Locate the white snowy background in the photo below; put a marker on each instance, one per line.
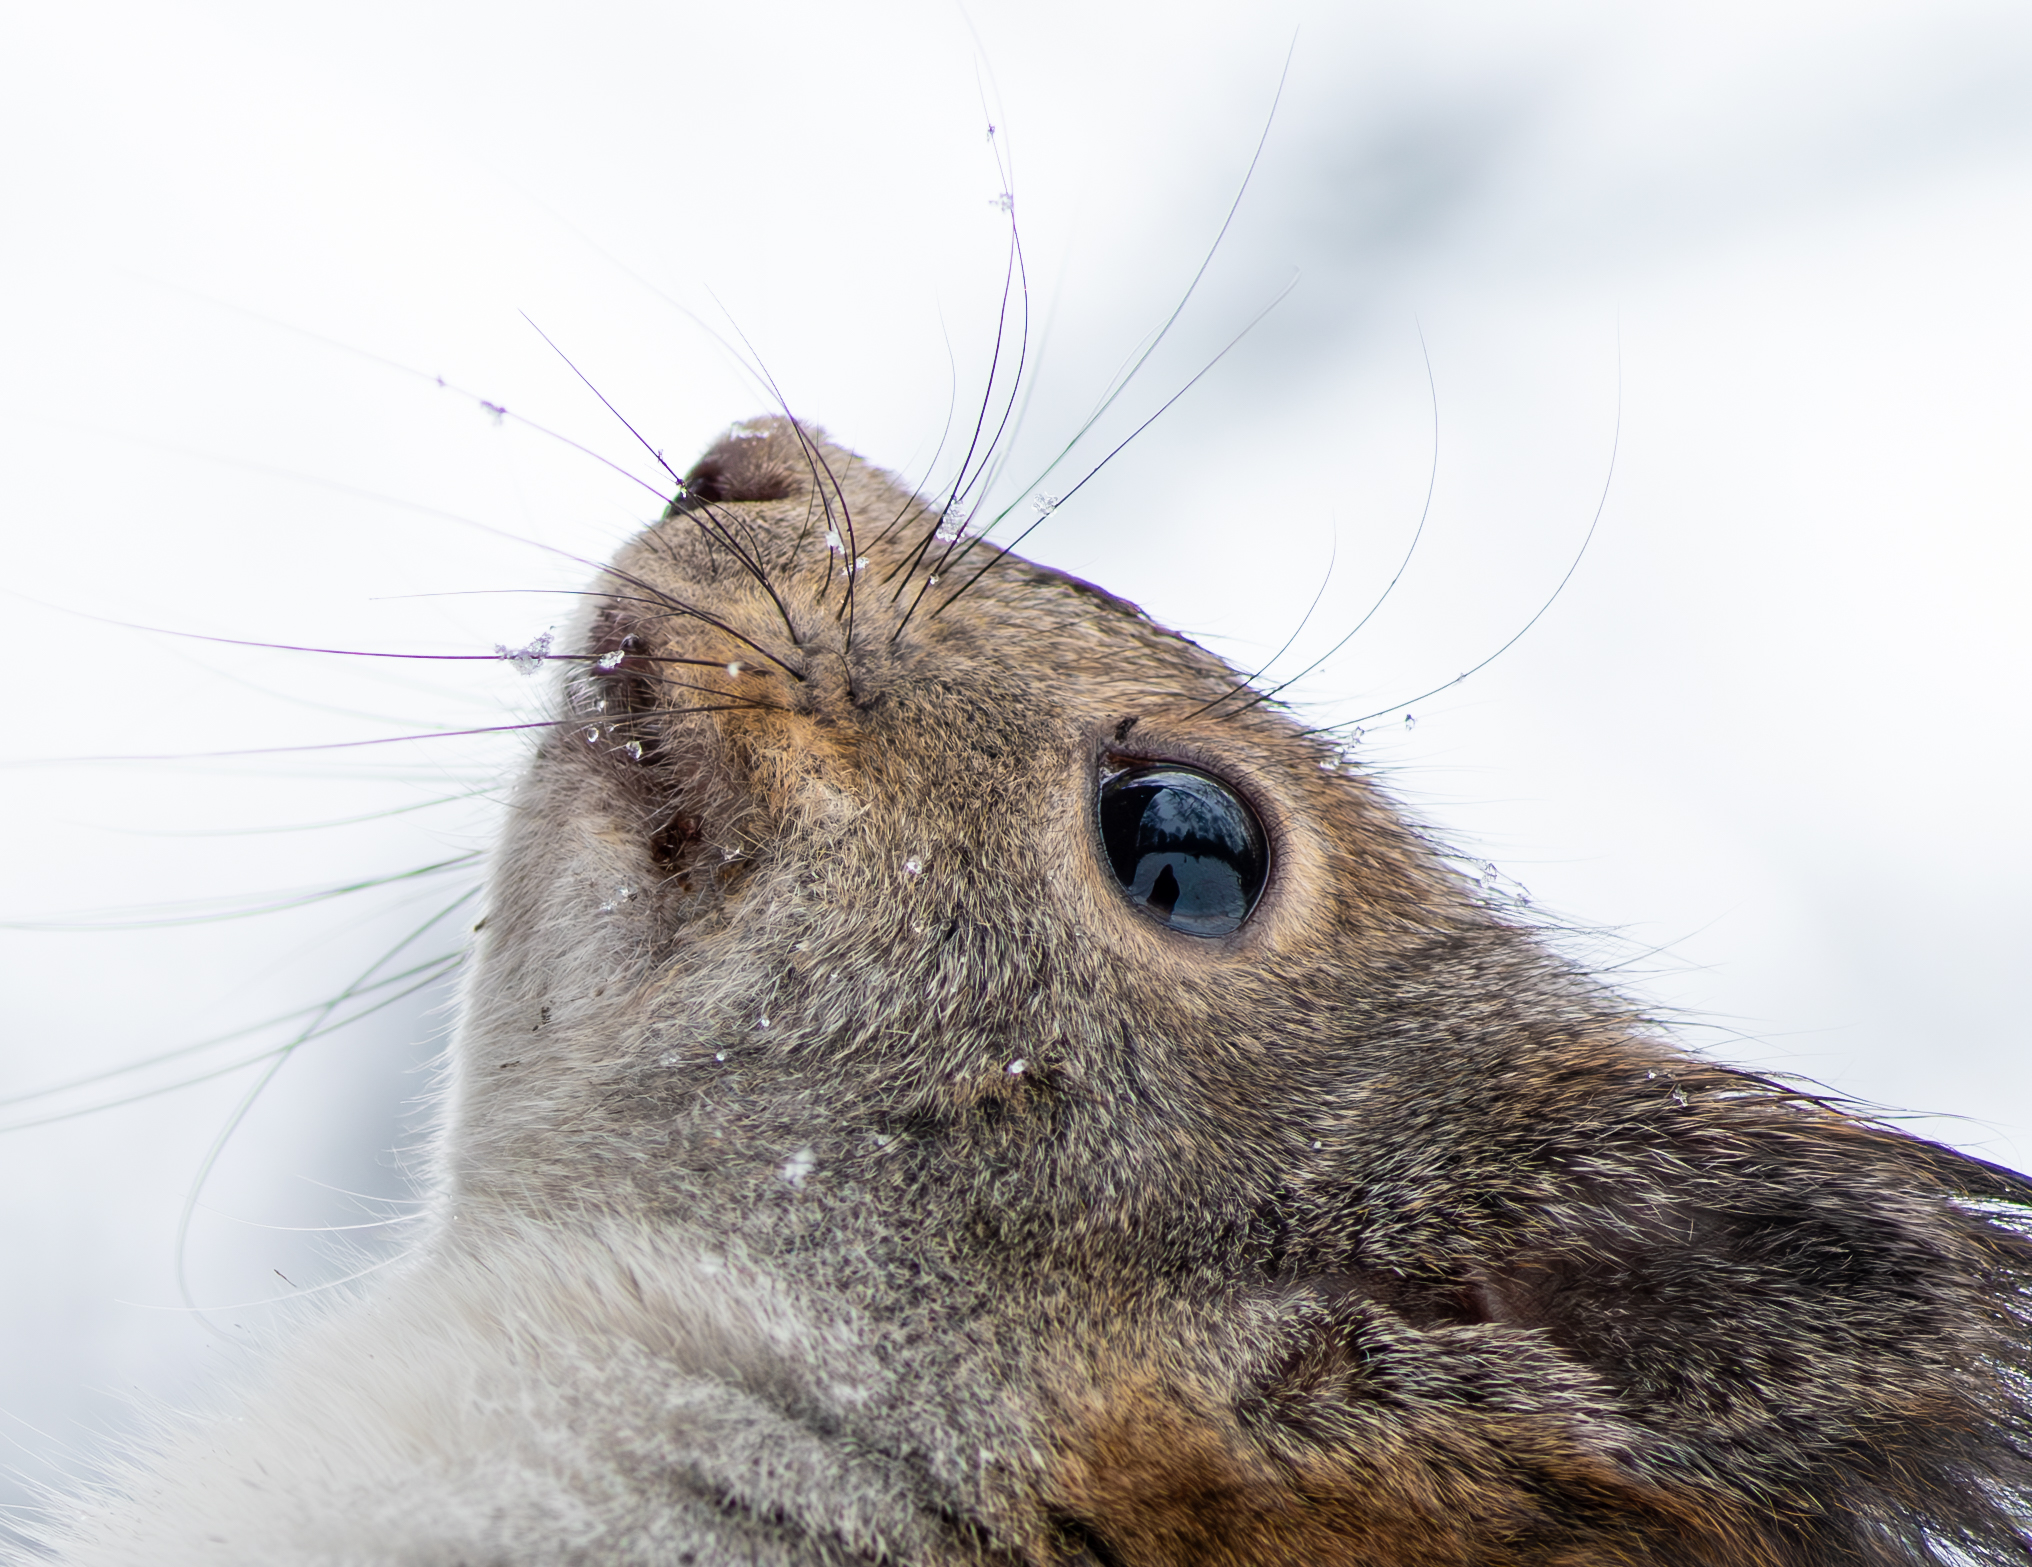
(1767, 744)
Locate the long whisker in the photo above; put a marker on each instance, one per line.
(293, 827)
(487, 404)
(642, 439)
(399, 504)
(436, 967)
(1297, 631)
(282, 750)
(658, 596)
(253, 1094)
(1424, 514)
(952, 403)
(133, 918)
(1125, 376)
(181, 1052)
(1608, 479)
(1012, 272)
(1003, 551)
(719, 529)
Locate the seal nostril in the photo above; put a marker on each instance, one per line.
(759, 461)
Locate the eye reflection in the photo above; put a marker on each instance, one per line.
(1184, 846)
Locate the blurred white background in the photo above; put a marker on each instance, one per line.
(1767, 745)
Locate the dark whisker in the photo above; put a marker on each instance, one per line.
(678, 606)
(1004, 550)
(1425, 513)
(1124, 377)
(758, 703)
(497, 410)
(420, 509)
(814, 462)
(1012, 272)
(952, 403)
(1297, 632)
(723, 534)
(604, 403)
(1608, 479)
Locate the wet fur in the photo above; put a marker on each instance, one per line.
(839, 1170)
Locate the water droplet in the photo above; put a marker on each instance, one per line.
(719, 1055)
(736, 667)
(932, 581)
(592, 737)
(762, 1021)
(1410, 722)
(525, 659)
(1649, 1075)
(1316, 1145)
(669, 1058)
(634, 749)
(1046, 504)
(798, 1166)
(832, 539)
(1359, 733)
(1017, 1067)
(610, 660)
(1004, 202)
(913, 866)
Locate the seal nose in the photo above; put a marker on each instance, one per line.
(763, 459)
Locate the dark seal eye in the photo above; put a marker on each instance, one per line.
(1185, 848)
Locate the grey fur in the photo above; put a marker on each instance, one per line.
(838, 1169)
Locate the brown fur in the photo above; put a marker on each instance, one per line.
(1372, 1233)
(1011, 1226)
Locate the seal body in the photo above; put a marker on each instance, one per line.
(843, 1165)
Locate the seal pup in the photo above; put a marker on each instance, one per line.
(947, 1075)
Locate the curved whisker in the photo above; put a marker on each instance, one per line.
(181, 1052)
(1297, 631)
(1002, 551)
(1608, 479)
(1015, 274)
(1424, 515)
(128, 919)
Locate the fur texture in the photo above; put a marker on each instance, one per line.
(841, 1170)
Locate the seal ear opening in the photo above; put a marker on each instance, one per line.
(762, 460)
